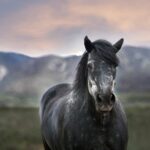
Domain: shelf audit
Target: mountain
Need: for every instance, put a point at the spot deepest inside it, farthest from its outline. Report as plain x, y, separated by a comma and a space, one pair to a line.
23, 76
134, 70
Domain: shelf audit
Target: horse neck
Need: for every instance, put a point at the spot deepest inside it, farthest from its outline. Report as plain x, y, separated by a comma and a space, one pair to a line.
80, 94
83, 99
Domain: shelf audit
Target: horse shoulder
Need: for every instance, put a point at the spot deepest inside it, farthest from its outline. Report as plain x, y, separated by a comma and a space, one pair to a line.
53, 94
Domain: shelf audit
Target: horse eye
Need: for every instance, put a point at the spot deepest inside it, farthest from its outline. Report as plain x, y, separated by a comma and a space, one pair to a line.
90, 66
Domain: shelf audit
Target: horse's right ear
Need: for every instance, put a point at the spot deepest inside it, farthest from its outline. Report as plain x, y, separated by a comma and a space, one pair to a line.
88, 44
118, 45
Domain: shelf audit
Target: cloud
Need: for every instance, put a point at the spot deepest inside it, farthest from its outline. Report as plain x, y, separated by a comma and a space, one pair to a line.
38, 27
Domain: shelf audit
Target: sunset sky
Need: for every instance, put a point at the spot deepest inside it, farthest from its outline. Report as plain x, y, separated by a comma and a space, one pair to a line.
38, 27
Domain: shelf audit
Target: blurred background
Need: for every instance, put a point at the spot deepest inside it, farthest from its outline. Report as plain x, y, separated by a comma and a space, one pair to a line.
41, 43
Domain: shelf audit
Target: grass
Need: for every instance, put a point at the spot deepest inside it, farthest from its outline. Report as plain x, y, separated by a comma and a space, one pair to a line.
19, 128
9, 100
134, 97
139, 127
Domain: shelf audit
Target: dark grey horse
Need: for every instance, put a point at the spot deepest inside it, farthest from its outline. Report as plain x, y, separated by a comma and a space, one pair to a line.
86, 115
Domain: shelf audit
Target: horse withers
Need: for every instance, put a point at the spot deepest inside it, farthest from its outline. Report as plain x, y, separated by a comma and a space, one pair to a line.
86, 115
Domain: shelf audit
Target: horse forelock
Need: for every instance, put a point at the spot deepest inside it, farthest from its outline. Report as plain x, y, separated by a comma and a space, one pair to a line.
106, 52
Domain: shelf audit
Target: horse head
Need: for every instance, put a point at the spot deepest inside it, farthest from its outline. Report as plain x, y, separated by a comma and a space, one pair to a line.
101, 72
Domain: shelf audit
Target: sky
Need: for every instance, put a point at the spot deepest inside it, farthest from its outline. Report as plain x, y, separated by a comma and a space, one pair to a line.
39, 27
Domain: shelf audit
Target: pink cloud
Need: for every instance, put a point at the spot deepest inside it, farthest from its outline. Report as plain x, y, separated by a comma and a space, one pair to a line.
51, 27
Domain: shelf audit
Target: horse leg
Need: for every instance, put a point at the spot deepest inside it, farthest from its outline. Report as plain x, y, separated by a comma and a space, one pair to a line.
46, 147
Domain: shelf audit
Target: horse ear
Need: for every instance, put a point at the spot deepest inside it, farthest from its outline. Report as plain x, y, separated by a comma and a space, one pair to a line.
118, 45
88, 44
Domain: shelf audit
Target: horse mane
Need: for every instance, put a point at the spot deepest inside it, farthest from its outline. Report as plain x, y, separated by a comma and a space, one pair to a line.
106, 52
79, 83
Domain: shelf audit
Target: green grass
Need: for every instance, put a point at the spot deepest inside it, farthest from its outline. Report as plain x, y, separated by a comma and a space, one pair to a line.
9, 100
19, 128
139, 127
132, 97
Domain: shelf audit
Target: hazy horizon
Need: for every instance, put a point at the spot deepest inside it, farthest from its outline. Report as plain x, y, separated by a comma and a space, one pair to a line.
62, 55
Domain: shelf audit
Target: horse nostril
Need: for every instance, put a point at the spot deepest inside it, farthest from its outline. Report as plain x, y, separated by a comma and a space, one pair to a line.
99, 99
112, 98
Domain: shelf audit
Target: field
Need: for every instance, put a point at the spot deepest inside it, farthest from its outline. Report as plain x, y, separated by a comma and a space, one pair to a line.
19, 128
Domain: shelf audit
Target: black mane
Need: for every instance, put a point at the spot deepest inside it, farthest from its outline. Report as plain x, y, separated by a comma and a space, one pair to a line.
81, 74
106, 51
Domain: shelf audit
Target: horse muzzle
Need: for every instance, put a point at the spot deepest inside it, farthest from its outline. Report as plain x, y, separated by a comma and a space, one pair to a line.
105, 103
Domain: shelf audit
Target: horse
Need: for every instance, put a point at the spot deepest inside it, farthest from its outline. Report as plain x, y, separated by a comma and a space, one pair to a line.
86, 115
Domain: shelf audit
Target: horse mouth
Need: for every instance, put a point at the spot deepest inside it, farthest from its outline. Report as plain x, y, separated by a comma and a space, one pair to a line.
104, 108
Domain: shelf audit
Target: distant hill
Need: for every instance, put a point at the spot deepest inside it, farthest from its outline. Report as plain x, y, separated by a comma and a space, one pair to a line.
24, 76
134, 70
20, 74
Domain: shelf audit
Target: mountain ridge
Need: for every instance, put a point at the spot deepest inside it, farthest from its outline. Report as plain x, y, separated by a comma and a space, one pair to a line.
22, 75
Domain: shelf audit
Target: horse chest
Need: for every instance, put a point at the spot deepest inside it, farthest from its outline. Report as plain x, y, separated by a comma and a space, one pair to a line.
91, 137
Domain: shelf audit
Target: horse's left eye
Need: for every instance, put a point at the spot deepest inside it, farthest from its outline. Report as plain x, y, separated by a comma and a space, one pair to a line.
90, 66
